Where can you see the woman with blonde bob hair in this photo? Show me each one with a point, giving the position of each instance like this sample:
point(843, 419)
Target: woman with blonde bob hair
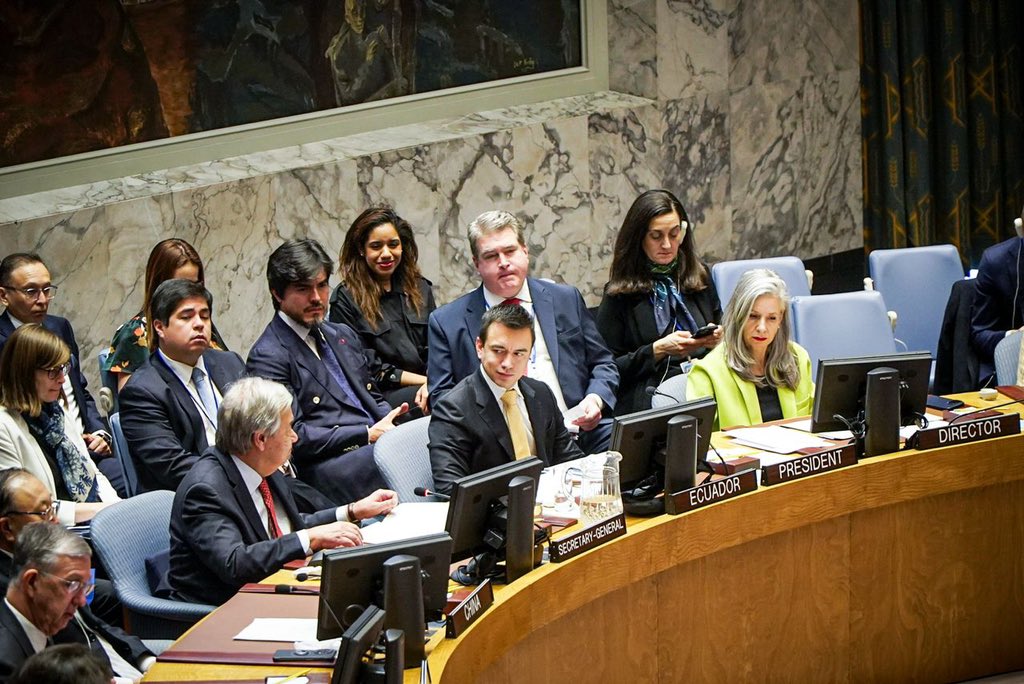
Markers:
point(757, 374)
point(33, 427)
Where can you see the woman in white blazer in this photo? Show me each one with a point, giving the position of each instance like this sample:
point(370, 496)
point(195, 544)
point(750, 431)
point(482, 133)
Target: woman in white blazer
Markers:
point(33, 429)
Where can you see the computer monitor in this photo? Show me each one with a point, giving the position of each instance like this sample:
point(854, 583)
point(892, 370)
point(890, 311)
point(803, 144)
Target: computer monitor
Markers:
point(640, 437)
point(841, 384)
point(353, 579)
point(355, 642)
point(473, 497)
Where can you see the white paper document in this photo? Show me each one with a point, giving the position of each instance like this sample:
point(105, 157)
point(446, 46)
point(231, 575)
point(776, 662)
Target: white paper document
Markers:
point(279, 629)
point(778, 439)
point(408, 520)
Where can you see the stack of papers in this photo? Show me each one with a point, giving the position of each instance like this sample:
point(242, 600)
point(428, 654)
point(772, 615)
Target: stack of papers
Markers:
point(408, 520)
point(778, 439)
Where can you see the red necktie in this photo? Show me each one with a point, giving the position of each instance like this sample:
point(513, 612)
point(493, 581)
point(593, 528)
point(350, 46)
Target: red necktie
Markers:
point(268, 500)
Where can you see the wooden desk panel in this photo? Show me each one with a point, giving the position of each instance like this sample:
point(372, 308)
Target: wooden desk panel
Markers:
point(907, 567)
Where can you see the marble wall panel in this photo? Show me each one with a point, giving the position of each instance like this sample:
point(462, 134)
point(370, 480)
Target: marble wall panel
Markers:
point(625, 159)
point(766, 148)
point(633, 47)
point(693, 48)
point(830, 179)
point(697, 168)
point(786, 40)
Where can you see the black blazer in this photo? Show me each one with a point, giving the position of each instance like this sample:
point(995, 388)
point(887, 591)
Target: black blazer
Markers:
point(15, 647)
point(399, 341)
point(468, 432)
point(326, 422)
point(218, 542)
point(999, 302)
point(627, 324)
point(161, 423)
point(91, 419)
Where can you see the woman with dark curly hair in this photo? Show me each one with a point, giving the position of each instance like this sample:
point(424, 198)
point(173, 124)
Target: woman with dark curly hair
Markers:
point(658, 295)
point(384, 298)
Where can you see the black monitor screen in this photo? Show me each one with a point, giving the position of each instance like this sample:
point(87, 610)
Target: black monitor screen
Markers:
point(640, 436)
point(841, 384)
point(472, 498)
point(353, 579)
point(355, 642)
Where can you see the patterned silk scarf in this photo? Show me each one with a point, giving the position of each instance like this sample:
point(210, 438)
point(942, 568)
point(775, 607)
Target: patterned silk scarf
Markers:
point(670, 312)
point(48, 429)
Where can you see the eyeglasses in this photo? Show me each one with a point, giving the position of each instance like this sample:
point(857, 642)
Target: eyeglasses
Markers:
point(54, 373)
point(48, 512)
point(73, 587)
point(50, 291)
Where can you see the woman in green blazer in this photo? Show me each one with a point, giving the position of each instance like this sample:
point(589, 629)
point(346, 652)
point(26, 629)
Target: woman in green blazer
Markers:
point(757, 374)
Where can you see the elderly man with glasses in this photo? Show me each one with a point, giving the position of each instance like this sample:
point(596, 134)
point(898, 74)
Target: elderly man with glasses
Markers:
point(24, 499)
point(26, 292)
point(45, 604)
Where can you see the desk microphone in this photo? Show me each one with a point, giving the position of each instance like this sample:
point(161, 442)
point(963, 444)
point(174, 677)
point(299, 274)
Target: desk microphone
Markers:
point(423, 491)
point(289, 589)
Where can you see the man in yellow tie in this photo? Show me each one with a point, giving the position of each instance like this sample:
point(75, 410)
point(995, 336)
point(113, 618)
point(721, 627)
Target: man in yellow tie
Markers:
point(497, 414)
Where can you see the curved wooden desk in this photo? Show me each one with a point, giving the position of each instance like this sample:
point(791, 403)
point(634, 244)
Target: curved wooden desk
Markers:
point(908, 567)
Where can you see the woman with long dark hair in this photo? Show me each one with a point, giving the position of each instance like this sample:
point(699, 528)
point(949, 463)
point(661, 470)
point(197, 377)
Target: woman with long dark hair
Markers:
point(659, 294)
point(134, 340)
point(384, 298)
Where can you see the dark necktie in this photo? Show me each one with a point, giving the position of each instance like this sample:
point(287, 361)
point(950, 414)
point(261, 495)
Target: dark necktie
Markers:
point(511, 301)
point(272, 527)
point(334, 368)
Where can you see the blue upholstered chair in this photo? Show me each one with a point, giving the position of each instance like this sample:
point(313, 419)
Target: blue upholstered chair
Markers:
point(403, 459)
point(915, 283)
point(842, 325)
point(1006, 356)
point(727, 273)
point(125, 535)
point(124, 457)
point(672, 391)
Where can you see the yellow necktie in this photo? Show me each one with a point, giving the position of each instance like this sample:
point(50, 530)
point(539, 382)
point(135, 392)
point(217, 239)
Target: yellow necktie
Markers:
point(516, 427)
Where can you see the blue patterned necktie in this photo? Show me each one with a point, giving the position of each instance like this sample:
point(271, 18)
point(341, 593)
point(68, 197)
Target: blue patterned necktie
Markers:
point(334, 368)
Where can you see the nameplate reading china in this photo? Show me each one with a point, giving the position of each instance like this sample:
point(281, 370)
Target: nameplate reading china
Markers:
point(472, 607)
point(811, 464)
point(586, 539)
point(965, 431)
point(710, 492)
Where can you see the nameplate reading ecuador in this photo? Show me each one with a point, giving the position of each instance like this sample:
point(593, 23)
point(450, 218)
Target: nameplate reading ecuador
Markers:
point(811, 464)
point(472, 607)
point(710, 492)
point(965, 431)
point(586, 539)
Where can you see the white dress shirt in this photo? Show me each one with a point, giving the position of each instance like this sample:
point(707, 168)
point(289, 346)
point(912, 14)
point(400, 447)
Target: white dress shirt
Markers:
point(183, 372)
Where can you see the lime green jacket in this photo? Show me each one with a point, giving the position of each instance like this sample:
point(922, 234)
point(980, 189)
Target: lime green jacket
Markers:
point(737, 398)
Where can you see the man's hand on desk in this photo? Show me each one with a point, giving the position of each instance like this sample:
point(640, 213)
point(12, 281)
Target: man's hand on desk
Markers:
point(379, 503)
point(334, 535)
